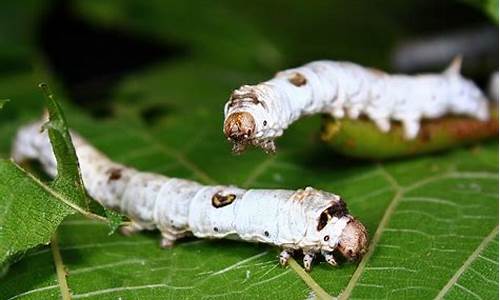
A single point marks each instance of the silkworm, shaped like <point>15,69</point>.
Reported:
<point>256,115</point>
<point>307,220</point>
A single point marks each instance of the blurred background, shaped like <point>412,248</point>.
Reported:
<point>89,46</point>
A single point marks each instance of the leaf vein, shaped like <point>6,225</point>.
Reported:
<point>60,269</point>
<point>467,263</point>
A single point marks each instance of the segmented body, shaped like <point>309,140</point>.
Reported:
<point>258,114</point>
<point>309,220</point>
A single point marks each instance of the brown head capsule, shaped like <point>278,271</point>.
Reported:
<point>353,242</point>
<point>239,126</point>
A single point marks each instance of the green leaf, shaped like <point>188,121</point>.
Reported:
<point>361,138</point>
<point>29,212</point>
<point>426,216</point>
<point>31,209</point>
<point>114,220</point>
<point>68,180</point>
<point>477,278</point>
<point>2,102</point>
<point>18,23</point>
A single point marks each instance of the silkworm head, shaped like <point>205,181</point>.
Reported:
<point>239,126</point>
<point>353,242</point>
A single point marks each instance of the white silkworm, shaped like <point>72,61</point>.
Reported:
<point>258,114</point>
<point>308,220</point>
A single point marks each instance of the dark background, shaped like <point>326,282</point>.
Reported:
<point>90,49</point>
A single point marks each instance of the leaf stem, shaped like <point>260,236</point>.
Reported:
<point>61,272</point>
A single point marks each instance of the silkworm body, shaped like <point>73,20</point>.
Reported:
<point>260,113</point>
<point>308,220</point>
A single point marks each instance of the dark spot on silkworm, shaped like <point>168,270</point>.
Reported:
<point>114,173</point>
<point>219,200</point>
<point>326,238</point>
<point>377,72</point>
<point>297,79</point>
<point>338,210</point>
<point>265,123</point>
<point>266,233</point>
<point>241,98</point>
<point>216,229</point>
<point>323,219</point>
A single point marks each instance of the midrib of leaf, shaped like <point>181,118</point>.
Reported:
<point>467,263</point>
<point>61,198</point>
<point>319,292</point>
<point>376,237</point>
<point>400,191</point>
<point>60,270</point>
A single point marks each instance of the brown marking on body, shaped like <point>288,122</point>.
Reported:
<point>219,200</point>
<point>377,72</point>
<point>114,173</point>
<point>236,98</point>
<point>337,209</point>
<point>301,195</point>
<point>297,79</point>
<point>323,220</point>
